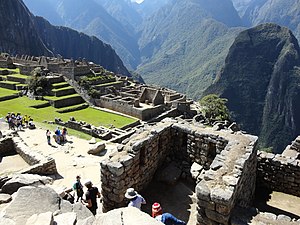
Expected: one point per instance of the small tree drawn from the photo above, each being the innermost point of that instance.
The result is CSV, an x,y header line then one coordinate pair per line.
x,y
37,82
214,108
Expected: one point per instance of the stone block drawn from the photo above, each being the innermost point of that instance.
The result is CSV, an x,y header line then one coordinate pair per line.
x,y
222,195
206,204
115,168
217,217
203,191
284,218
222,209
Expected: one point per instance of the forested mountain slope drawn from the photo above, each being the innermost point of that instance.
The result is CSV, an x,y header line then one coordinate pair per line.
x,y
261,79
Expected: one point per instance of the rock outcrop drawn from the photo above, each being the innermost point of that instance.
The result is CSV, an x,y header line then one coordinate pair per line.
x,y
261,80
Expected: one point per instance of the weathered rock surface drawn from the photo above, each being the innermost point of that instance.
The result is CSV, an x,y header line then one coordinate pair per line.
x,y
32,200
195,170
38,219
96,149
5,198
81,211
21,180
129,215
66,219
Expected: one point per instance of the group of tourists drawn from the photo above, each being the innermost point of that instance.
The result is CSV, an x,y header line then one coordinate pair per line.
x,y
60,136
18,122
89,199
136,200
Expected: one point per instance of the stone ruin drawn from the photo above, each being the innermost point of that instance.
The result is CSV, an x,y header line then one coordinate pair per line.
x,y
228,161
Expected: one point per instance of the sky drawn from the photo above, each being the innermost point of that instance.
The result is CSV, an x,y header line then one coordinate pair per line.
x,y
138,1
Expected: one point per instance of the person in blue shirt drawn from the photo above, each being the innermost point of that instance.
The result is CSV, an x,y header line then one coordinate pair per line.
x,y
165,218
136,200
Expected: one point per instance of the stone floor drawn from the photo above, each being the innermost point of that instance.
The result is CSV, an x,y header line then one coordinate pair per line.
x,y
11,164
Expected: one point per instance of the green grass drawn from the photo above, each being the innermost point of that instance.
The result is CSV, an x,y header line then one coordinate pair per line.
x,y
9,82
17,70
64,88
90,115
59,84
54,98
18,75
5,92
107,84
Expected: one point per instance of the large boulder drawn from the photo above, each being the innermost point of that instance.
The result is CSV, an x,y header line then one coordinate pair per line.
x,y
31,200
21,180
128,215
96,149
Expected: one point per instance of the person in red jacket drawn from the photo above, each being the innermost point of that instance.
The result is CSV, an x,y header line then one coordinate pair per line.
x,y
165,218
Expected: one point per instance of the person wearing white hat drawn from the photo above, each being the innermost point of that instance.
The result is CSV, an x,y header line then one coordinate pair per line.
x,y
136,200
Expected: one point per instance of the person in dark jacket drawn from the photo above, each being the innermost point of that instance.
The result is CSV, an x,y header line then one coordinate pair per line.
x,y
165,218
91,197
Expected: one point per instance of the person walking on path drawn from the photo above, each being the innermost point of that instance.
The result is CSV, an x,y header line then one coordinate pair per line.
x,y
165,218
91,197
48,135
136,200
78,188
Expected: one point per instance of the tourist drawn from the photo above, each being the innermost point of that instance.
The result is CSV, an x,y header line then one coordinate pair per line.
x,y
64,134
25,120
136,200
31,125
91,197
57,135
48,135
165,218
78,188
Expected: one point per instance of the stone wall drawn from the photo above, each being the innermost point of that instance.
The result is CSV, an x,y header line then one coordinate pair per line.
x,y
38,163
6,146
127,108
279,173
229,182
66,102
229,163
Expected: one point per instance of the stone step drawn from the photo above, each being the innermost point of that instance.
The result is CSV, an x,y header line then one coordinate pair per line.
x,y
16,79
9,85
63,91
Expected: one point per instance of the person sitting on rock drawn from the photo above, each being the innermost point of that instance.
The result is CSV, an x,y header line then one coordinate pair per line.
x,y
91,197
78,188
136,200
165,218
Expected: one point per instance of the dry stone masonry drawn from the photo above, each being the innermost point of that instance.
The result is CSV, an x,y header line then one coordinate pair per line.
x,y
229,163
38,163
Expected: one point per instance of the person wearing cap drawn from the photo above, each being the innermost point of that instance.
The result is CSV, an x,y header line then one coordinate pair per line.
x,y
91,197
165,218
136,200
78,188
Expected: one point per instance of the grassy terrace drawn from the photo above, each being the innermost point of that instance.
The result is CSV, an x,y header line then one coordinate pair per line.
x,y
64,88
9,82
59,84
54,98
90,115
108,84
5,92
18,75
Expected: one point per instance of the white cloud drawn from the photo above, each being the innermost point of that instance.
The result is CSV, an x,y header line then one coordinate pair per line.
x,y
138,1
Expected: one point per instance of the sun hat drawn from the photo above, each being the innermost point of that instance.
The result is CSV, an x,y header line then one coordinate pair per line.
x,y
156,209
130,193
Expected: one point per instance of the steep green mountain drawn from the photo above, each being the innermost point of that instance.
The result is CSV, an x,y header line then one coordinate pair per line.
x,y
261,79
14,20
148,7
90,17
185,43
73,44
22,33
124,11
282,12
